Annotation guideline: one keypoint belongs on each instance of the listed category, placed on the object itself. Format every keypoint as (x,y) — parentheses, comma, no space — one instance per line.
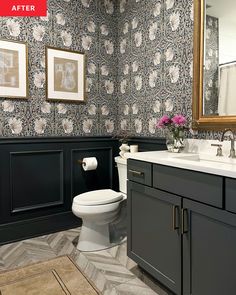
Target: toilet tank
(122,172)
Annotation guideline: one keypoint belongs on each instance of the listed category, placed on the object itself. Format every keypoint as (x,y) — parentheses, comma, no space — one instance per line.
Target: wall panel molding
(24,180)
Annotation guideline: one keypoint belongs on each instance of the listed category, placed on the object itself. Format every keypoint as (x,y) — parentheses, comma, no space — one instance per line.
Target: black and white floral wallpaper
(140,55)
(85,25)
(211,73)
(155,62)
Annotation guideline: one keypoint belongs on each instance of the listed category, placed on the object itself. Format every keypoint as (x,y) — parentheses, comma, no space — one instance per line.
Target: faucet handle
(219,149)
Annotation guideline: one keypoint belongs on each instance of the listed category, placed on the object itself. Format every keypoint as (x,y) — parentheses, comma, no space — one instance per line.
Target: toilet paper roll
(90,164)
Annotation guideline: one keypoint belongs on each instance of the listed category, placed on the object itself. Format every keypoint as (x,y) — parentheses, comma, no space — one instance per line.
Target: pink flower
(164,121)
(179,120)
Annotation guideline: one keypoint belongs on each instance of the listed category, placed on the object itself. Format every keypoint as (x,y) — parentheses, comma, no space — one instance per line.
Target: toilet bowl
(98,209)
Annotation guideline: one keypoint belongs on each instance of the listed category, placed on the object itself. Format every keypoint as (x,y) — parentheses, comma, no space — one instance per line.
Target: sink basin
(206,158)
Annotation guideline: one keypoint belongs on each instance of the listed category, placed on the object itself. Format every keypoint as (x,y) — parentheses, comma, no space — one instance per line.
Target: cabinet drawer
(198,186)
(140,172)
(230,194)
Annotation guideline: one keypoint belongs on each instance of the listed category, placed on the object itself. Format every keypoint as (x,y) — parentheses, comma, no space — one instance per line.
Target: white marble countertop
(203,161)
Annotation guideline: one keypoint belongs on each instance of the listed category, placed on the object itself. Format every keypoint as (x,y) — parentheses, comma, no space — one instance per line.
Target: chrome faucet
(231,137)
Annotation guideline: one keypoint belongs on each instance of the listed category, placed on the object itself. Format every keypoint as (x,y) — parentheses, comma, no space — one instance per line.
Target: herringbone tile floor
(110,270)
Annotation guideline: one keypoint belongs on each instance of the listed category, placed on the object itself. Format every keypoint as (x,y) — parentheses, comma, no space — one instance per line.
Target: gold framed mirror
(214,65)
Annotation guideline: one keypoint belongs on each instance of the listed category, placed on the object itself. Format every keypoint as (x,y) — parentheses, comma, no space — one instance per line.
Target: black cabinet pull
(139,173)
(184,213)
(175,210)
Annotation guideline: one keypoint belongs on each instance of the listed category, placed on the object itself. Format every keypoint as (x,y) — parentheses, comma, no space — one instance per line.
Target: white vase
(124,148)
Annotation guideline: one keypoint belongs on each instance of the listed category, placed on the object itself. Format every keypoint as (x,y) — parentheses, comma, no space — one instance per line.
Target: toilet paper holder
(81,162)
(88,164)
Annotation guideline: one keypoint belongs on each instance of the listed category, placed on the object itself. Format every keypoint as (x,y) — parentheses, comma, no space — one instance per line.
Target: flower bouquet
(175,126)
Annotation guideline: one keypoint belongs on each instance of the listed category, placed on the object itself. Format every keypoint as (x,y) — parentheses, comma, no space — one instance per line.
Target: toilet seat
(98,197)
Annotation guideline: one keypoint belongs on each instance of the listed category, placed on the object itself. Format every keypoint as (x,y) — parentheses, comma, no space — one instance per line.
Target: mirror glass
(219,69)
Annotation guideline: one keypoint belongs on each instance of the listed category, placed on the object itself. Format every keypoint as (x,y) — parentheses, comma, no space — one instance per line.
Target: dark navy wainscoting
(40,176)
(148,143)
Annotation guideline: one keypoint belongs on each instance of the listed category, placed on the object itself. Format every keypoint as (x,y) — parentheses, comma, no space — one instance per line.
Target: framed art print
(13,69)
(65,75)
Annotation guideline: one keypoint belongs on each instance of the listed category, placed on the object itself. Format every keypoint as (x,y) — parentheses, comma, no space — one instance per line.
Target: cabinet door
(154,238)
(209,250)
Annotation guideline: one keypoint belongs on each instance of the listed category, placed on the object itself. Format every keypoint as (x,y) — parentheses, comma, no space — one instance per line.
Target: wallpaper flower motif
(91,68)
(105,110)
(109,6)
(15,125)
(61,108)
(13,27)
(46,108)
(157,106)
(174,21)
(39,79)
(109,126)
(152,125)
(123,85)
(153,31)
(135,66)
(169,4)
(109,86)
(87,125)
(40,125)
(138,39)
(152,79)
(86,3)
(92,110)
(60,19)
(86,42)
(157,9)
(138,125)
(66,38)
(91,26)
(135,109)
(38,32)
(104,70)
(67,125)
(174,74)
(157,58)
(109,46)
(104,30)
(123,124)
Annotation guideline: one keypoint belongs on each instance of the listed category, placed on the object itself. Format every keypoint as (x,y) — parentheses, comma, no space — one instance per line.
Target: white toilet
(98,209)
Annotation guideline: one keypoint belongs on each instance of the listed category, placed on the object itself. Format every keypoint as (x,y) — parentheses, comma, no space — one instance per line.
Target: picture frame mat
(65,54)
(22,90)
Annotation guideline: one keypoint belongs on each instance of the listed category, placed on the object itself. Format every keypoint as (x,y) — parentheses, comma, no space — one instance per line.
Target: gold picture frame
(65,75)
(201,121)
(14,69)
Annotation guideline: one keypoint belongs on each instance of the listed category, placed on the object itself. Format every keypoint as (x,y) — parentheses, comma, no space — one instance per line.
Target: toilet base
(94,237)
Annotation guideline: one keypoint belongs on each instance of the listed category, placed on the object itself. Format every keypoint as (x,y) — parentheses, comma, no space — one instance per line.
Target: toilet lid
(98,197)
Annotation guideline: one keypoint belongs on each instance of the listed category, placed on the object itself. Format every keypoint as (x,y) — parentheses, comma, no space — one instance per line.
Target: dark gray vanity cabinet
(209,250)
(180,228)
(154,240)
